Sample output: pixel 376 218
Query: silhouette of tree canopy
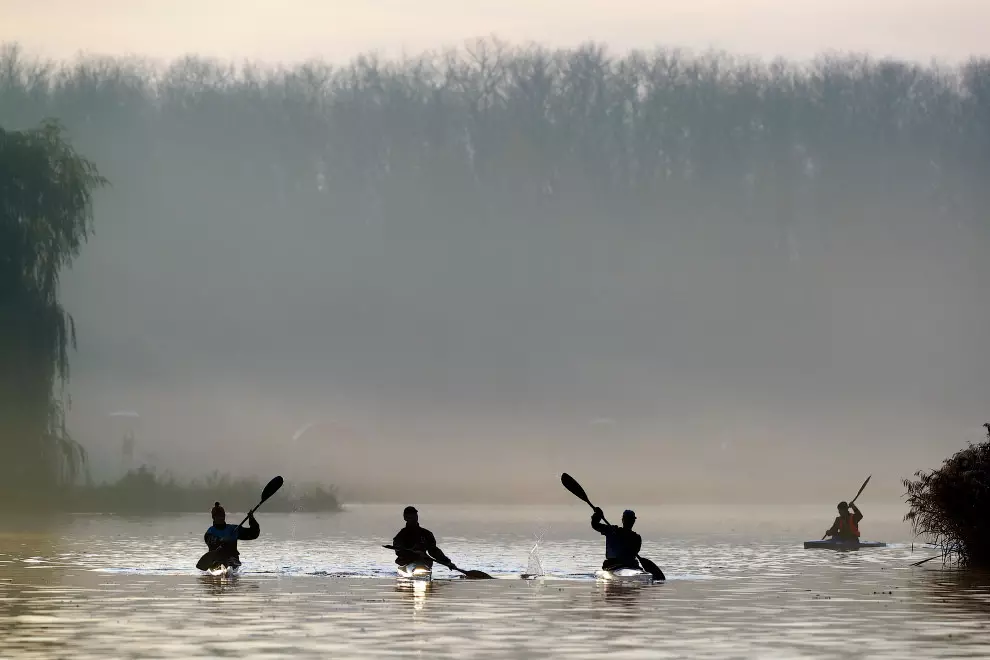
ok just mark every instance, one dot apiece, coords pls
pixel 651 138
pixel 45 216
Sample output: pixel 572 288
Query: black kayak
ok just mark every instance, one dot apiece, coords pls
pixel 835 544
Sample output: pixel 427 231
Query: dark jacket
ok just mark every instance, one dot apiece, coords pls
pixel 412 542
pixel 621 545
pixel 228 537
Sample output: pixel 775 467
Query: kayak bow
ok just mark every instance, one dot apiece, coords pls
pixel 623 575
pixel 228 568
pixel 415 570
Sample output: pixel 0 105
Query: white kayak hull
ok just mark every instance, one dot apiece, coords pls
pixel 221 570
pixel 624 575
pixel 415 571
pixel 830 544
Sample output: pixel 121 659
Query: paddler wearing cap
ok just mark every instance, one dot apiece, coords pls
pixel 414 543
pixel 222 535
pixel 621 543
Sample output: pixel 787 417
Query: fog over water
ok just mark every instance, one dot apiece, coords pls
pixel 681 277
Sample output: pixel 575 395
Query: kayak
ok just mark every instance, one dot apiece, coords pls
pixel 417 570
pixel 624 575
pixel 830 544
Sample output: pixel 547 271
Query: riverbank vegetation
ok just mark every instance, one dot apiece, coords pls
pixel 949 505
pixel 143 491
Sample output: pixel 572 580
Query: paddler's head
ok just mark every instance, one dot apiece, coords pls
pixel 410 515
pixel 219 515
pixel 843 508
pixel 628 518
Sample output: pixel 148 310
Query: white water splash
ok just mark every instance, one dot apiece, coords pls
pixel 534 566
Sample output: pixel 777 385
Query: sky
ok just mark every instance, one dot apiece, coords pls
pixel 283 30
pixel 226 373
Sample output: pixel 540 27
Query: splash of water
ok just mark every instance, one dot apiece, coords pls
pixel 534 566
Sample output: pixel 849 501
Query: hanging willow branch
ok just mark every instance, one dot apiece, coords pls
pixel 46 214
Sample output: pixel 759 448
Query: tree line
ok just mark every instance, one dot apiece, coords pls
pixel 493 131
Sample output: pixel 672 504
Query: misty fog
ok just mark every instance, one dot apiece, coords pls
pixel 683 277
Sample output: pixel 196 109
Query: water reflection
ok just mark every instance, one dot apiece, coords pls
pixel 28 567
pixel 621 593
pixel 419 589
pixel 956 591
pixel 217 585
pixel 90 587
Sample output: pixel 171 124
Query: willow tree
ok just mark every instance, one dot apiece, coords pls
pixel 45 217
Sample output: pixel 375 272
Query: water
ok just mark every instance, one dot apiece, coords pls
pixel 739 585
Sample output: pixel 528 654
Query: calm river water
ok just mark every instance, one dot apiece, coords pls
pixel 739 585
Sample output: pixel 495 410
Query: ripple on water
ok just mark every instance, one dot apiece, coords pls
pixel 331 592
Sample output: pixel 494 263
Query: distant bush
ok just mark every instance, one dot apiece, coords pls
pixel 950 505
pixel 143 491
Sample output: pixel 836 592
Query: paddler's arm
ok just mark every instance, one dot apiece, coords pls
pixel 439 557
pixel 834 529
pixel 436 552
pixel 637 545
pixel 399 545
pixel 596 521
pixel 212 542
pixel 857 514
pixel 251 532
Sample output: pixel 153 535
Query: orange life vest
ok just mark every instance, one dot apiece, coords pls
pixel 848 526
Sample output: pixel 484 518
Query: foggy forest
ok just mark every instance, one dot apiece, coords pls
pixel 475 268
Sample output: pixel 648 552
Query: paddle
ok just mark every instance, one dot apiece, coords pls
pixel 919 563
pixel 213 557
pixel 474 575
pixel 571 484
pixel 853 500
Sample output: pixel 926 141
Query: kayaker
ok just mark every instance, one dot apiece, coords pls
pixel 414 543
pixel 846 525
pixel 621 543
pixel 222 535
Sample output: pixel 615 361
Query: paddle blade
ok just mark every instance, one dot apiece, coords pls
pixel 652 569
pixel 571 484
pixel 478 575
pixel 271 489
pixel 860 491
pixel 209 560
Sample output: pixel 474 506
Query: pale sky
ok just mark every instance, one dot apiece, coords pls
pixel 291 30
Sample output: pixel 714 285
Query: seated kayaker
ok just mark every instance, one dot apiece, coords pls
pixel 621 543
pixel 846 525
pixel 225 537
pixel 417 544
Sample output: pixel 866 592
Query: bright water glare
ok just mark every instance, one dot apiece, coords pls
pixel 739 585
